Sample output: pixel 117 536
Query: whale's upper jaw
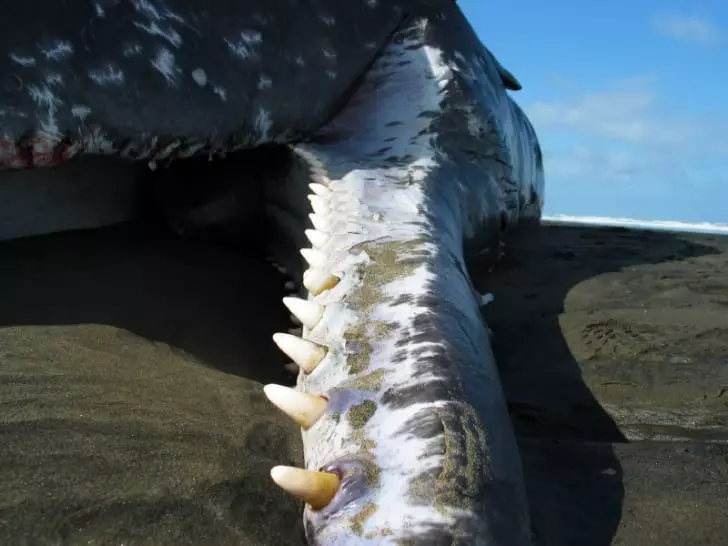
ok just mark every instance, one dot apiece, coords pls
pixel 174 78
pixel 422 168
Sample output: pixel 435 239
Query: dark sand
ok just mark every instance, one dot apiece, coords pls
pixel 131 366
pixel 613 351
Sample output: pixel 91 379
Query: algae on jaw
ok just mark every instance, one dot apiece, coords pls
pixel 389 261
pixel 458 483
pixel 370 382
pixel 358 521
pixel 360 414
pixel 465 463
pixel 359 336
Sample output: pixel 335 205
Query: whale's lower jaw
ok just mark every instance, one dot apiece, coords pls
pixel 406 434
pixel 411 176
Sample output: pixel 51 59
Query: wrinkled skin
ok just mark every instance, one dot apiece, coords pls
pixel 403 117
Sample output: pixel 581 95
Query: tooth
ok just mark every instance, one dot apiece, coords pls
pixel 317 489
pixel 317 238
pixel 315 258
pixel 319 222
pixel 308 312
pixel 319 189
pixel 304 353
pixel 319 204
pixel 305 409
pixel 317 280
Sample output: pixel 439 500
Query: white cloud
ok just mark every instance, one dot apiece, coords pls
pixel 596 163
pixel 629 113
pixel 623 134
pixel 688 28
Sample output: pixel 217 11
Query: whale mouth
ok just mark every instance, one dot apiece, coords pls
pixel 376 216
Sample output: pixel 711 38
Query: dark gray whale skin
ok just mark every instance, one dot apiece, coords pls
pixel 219 74
pixel 423 162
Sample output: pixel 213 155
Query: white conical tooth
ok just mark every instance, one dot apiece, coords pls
pixel 315 258
pixel 304 353
pixel 321 223
pixel 317 238
pixel 317 489
pixel 319 204
pixel 319 189
pixel 308 312
pixel 304 408
pixel 318 280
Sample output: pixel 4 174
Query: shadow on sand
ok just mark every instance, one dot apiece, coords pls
pixel 116 423
pixel 212 301
pixel 574 478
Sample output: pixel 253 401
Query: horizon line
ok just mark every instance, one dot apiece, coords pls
pixel 660 225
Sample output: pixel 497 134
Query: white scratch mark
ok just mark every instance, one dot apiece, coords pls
pixel 171 15
pixel 243 47
pixel 54 79
pixel 169 34
pixel 59 50
pixel 80 111
pixel 331 74
pixel 109 74
pixel 44 97
pixel 145 7
pixel 263 123
pixel 328 53
pixel 327 20
pixel 300 61
pixel 220 92
pixel 100 13
pixel 164 62
pixel 132 49
pixel 22 60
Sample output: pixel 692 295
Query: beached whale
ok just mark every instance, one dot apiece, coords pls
pixel 393 156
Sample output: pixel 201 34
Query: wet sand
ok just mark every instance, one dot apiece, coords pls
pixel 131 364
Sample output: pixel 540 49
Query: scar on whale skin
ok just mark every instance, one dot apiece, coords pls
pixel 376 189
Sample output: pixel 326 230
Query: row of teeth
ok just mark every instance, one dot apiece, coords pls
pixel 315 488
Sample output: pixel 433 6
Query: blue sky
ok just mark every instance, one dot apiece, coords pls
pixel 629 99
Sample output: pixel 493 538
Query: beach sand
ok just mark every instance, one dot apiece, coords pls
pixel 613 351
pixel 131 365
pixel 130 388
